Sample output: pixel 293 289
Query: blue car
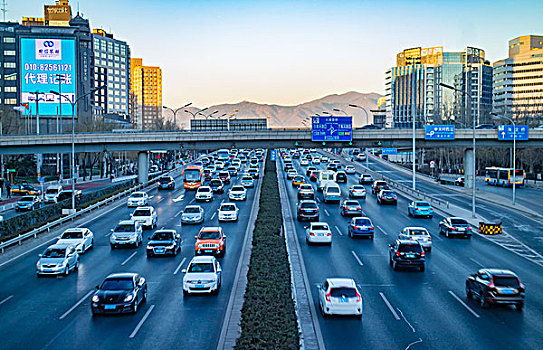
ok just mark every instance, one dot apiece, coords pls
pixel 420 208
pixel 361 227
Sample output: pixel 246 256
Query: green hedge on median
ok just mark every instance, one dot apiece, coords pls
pixel 268 318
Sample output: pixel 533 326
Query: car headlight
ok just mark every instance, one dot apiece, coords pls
pixel 128 298
pixel 38 263
pixel 113 236
pixel 95 299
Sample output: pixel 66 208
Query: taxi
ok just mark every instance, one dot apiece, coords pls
pixel 297 180
pixel 210 241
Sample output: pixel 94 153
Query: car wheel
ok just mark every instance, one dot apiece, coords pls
pixel 350 234
pixel 67 270
pixel 135 307
pixel 342 213
pixel 185 293
pixel 76 266
pixel 519 306
pixel 323 313
pixel 144 297
pixel 371 237
pixel 483 302
pixel 112 246
pixel 394 265
pixel 469 293
pixel 92 244
pixel 447 233
pixel 408 212
pixel 422 268
pixel 359 316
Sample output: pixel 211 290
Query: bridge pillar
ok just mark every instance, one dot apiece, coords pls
pixel 143 167
pixel 469 171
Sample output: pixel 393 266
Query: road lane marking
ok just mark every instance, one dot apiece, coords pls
pixel 179 266
pixel 379 227
pixel 389 306
pixel 127 259
pixel 213 216
pixel 464 304
pixel 141 322
pixel 476 262
pixel 326 211
pixel 76 305
pixel 3 301
pixel 180 198
pixel 161 199
pixel 176 215
pixel 406 321
pixel 357 258
pixel 192 201
pixel 318 200
pixel 339 231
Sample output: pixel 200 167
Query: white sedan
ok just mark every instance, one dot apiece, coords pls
pixel 203 275
pixel 339 296
pixel 138 199
pixel 349 169
pixel 228 212
pixel 81 238
pixel 204 193
pixel 237 193
pixel 318 232
pixel 304 162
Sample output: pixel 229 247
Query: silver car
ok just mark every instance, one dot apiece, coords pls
pixel 126 232
pixel 419 234
pixel 58 259
pixel 193 214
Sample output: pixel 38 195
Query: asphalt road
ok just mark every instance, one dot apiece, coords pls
pixel 54 313
pixel 409 309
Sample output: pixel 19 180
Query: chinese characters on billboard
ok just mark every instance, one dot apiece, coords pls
pixel 43 62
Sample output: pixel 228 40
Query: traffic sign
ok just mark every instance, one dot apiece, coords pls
pixel 331 128
pixel 41 180
pixel 432 164
pixel 273 155
pixel 389 151
pixel 10 170
pixel 439 132
pixel 505 132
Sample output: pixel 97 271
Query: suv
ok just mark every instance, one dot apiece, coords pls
pixel 406 253
pixel 210 241
pixel 454 226
pixel 495 286
pixel 146 216
pixel 216 186
pixel 164 242
pixel 306 191
pixel 365 179
pixel 340 296
pixel 166 182
pixel 310 169
pixel 350 207
pixel 377 186
pixel 307 210
pixel 51 194
pixel 341 176
pixel 126 232
pixel 361 226
pixel 203 275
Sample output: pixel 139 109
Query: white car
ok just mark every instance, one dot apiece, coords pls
pixel 193 214
pixel 318 232
pixel 138 199
pixel 349 169
pixel 204 194
pixel 237 193
pixel 357 191
pixel 219 165
pixel 202 275
pixel 304 162
pixel 325 159
pixel 228 212
pixel 316 160
pixel 81 238
pixel 419 234
pixel 126 232
pixel 339 296
pixel 146 216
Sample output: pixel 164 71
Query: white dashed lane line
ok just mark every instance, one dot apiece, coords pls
pixel 179 266
pixel 142 322
pixel 128 259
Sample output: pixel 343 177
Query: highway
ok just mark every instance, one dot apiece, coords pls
pixel 409 309
pixel 54 313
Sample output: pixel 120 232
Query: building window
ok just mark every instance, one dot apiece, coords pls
pixel 10 101
pixel 10 89
pixel 9 40
pixel 9 52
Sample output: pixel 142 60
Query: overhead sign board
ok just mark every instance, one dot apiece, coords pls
pixel 389 151
pixel 439 132
pixel 331 128
pixel 505 132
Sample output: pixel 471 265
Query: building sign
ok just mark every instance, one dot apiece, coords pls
pixel 331 128
pixel 389 151
pixel 42 61
pixel 439 132
pixel 58 15
pixel 505 132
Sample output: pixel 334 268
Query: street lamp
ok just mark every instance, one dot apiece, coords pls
pixel 498 116
pixel 211 114
pixel 340 110
pixel 175 113
pixel 195 114
pixel 468 95
pixel 365 112
pixel 74 103
pixel 324 112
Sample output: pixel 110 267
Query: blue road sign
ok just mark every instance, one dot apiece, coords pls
pixel 505 132
pixel 331 128
pixel 41 180
pixel 389 151
pixel 439 132
pixel 273 154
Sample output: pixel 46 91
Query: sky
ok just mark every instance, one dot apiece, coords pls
pixel 290 52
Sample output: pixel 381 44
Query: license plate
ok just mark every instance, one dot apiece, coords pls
pixel 461 229
pixel 160 250
pixel 343 300
pixel 208 251
pixel 47 270
pixel 109 307
pixel 410 256
pixel 199 286
pixel 507 291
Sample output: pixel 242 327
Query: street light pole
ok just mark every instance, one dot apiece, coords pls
pixel 365 112
pixel 514 163
pixel 175 113
pixel 340 110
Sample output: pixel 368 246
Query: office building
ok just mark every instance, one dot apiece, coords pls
pixel 379 114
pixel 9 94
pixel 232 124
pixel 146 90
pixel 518 80
pixel 57 15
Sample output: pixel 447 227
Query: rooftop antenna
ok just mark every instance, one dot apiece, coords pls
pixel 4 9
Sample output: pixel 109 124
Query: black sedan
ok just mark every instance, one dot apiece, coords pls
pixel 455 226
pixel 119 293
pixel 216 186
pixel 406 253
pixel 164 242
pixel 166 183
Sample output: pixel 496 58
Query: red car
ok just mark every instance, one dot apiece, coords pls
pixel 314 175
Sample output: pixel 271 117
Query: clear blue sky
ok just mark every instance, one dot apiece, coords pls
pixel 288 52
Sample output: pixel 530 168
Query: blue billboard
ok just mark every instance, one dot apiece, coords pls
pixel 505 132
pixel 439 132
pixel 331 128
pixel 42 61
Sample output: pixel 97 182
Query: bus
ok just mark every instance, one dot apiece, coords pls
pixel 223 155
pixel 504 176
pixel 192 177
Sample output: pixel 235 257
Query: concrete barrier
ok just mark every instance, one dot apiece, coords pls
pixel 490 228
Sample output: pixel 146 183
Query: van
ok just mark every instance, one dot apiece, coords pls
pixel 331 193
pixel 325 177
pixel 51 193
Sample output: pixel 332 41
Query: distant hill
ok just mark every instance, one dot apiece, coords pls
pixel 292 116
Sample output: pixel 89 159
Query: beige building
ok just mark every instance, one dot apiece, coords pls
pixel 58 14
pixel 518 80
pixel 146 94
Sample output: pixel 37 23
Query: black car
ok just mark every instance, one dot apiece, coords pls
pixel 288 166
pixel 332 166
pixel 216 186
pixel 406 253
pixel 495 286
pixel 387 197
pixel 454 226
pixel 164 242
pixel 310 169
pixel 307 210
pixel 341 176
pixel 253 172
pixel 67 194
pixel 119 293
pixel 166 183
pixel 377 186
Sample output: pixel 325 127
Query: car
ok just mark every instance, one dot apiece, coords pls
pixel 51 194
pixel 28 203
pixel 228 212
pixel 331 193
pixel 314 176
pixel 349 169
pixel 126 232
pixel 224 176
pixel 496 287
pixel 253 172
pixel 371 127
pixel 310 169
pixel 288 166
pixel 247 181
pixel 219 165
pixel 146 216
pixel 361 227
pixel 318 232
pixel 377 186
pixel 166 183
pixel 306 191
pixel 81 238
pixel 232 170
pixel 419 234
pixel 339 296
pixel 357 191
pixel 119 293
pixel 204 194
pixel 316 160
pixel 67 194
pixel 356 151
pixel 304 162
pixel 341 177
pixel 295 155
pixel 337 163
pixel 193 214
pixel 486 126
pixel 307 210
pixel 57 259
pixel 406 253
pixel 460 181
pixel 332 166
pixel 164 242
pixel 420 208
pixel 360 157
pixel 237 193
pixel 208 174
pixel 138 199
pixel 216 186
pixel 291 173
pixel 210 241
pixel 365 179
pixel 202 275
pixel 387 197
pixel 24 190
pixel 350 207
pixel 297 180
pixel 455 226
pixel 325 159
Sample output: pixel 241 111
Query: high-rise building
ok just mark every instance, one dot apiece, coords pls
pixel 146 88
pixel 57 15
pixel 518 80
pixel 413 87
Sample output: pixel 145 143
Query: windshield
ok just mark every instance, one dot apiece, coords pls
pixel 51 191
pixel 228 207
pixel 422 204
pixel 136 195
pixel 54 253
pixel 319 227
pixel 332 190
pixel 26 199
pixel 362 222
pixel 125 228
pixel 246 178
pixel 164 179
pixel 306 187
pixel 142 212
pixel 215 182
pixel 388 193
pixel 192 210
pixel 201 267
pixel 191 175
pixel 224 173
pixel 117 284
pixel 343 292
pixel 410 248
pixel 72 235
pixel 209 235
pixel 162 236
pixel 459 222
pixel 310 205
pixel 204 189
pixel 358 187
pixel 238 188
pixel 352 203
pixel 506 281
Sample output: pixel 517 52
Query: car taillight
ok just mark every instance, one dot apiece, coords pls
pixel 328 297
pixel 454 228
pixel 416 208
pixel 397 253
pixel 358 297
pixel 469 228
pixel 422 254
pixel 395 197
pixel 431 209
pixel 311 233
pixel 359 208
pixel 371 227
pixel 429 239
pixel 317 209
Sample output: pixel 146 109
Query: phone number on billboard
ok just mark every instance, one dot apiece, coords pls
pixel 48 67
